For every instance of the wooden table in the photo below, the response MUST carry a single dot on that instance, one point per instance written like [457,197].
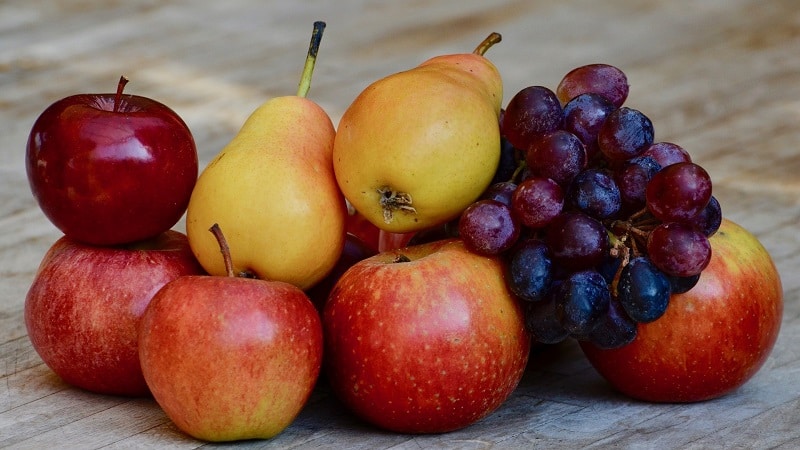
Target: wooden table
[720,77]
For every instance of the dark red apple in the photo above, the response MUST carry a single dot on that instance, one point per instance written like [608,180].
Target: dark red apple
[358,225]
[110,169]
[710,340]
[230,358]
[424,339]
[84,306]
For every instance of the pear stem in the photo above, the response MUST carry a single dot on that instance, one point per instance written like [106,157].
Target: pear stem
[487,43]
[223,248]
[118,97]
[311,59]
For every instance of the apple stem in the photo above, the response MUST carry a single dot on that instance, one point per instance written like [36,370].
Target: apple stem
[120,86]
[487,43]
[224,249]
[311,59]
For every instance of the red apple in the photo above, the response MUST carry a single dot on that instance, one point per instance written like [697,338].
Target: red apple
[392,241]
[712,339]
[424,339]
[110,169]
[83,308]
[230,358]
[354,250]
[358,225]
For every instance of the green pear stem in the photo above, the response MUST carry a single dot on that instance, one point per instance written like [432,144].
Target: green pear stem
[118,97]
[487,43]
[223,248]
[311,59]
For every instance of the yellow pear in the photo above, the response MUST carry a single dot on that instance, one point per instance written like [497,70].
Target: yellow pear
[417,147]
[272,189]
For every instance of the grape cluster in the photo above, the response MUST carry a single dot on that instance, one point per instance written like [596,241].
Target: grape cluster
[598,224]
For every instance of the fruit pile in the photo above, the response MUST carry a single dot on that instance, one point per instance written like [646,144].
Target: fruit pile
[413,254]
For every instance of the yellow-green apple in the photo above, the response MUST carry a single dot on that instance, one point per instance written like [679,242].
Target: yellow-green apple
[110,169]
[230,358]
[424,339]
[711,339]
[84,306]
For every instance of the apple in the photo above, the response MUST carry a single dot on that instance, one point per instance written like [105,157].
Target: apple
[85,303]
[354,250]
[230,358]
[110,169]
[358,225]
[388,240]
[424,339]
[711,339]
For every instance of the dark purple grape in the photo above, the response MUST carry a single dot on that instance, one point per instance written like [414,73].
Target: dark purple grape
[679,192]
[577,241]
[536,201]
[594,192]
[581,301]
[615,329]
[602,79]
[632,178]
[583,117]
[608,267]
[667,153]
[710,218]
[502,191]
[678,249]
[625,134]
[509,161]
[529,270]
[541,321]
[533,111]
[559,155]
[643,290]
[487,227]
[680,285]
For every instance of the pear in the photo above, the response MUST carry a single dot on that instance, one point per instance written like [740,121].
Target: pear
[417,147]
[273,190]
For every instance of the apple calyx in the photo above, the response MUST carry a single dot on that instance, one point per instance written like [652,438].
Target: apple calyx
[391,201]
[311,59]
[487,43]
[118,96]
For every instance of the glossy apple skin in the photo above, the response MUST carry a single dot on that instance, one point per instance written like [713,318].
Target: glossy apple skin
[230,358]
[712,339]
[425,346]
[106,178]
[84,306]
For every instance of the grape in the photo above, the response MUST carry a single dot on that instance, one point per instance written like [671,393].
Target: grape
[602,79]
[643,290]
[679,192]
[615,329]
[508,162]
[501,191]
[559,155]
[594,192]
[679,249]
[680,285]
[710,218]
[530,270]
[541,321]
[488,228]
[667,153]
[625,134]
[632,179]
[581,301]
[536,201]
[577,241]
[533,111]
[583,117]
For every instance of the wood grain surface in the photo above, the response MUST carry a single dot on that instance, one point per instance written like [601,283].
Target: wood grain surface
[719,77]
